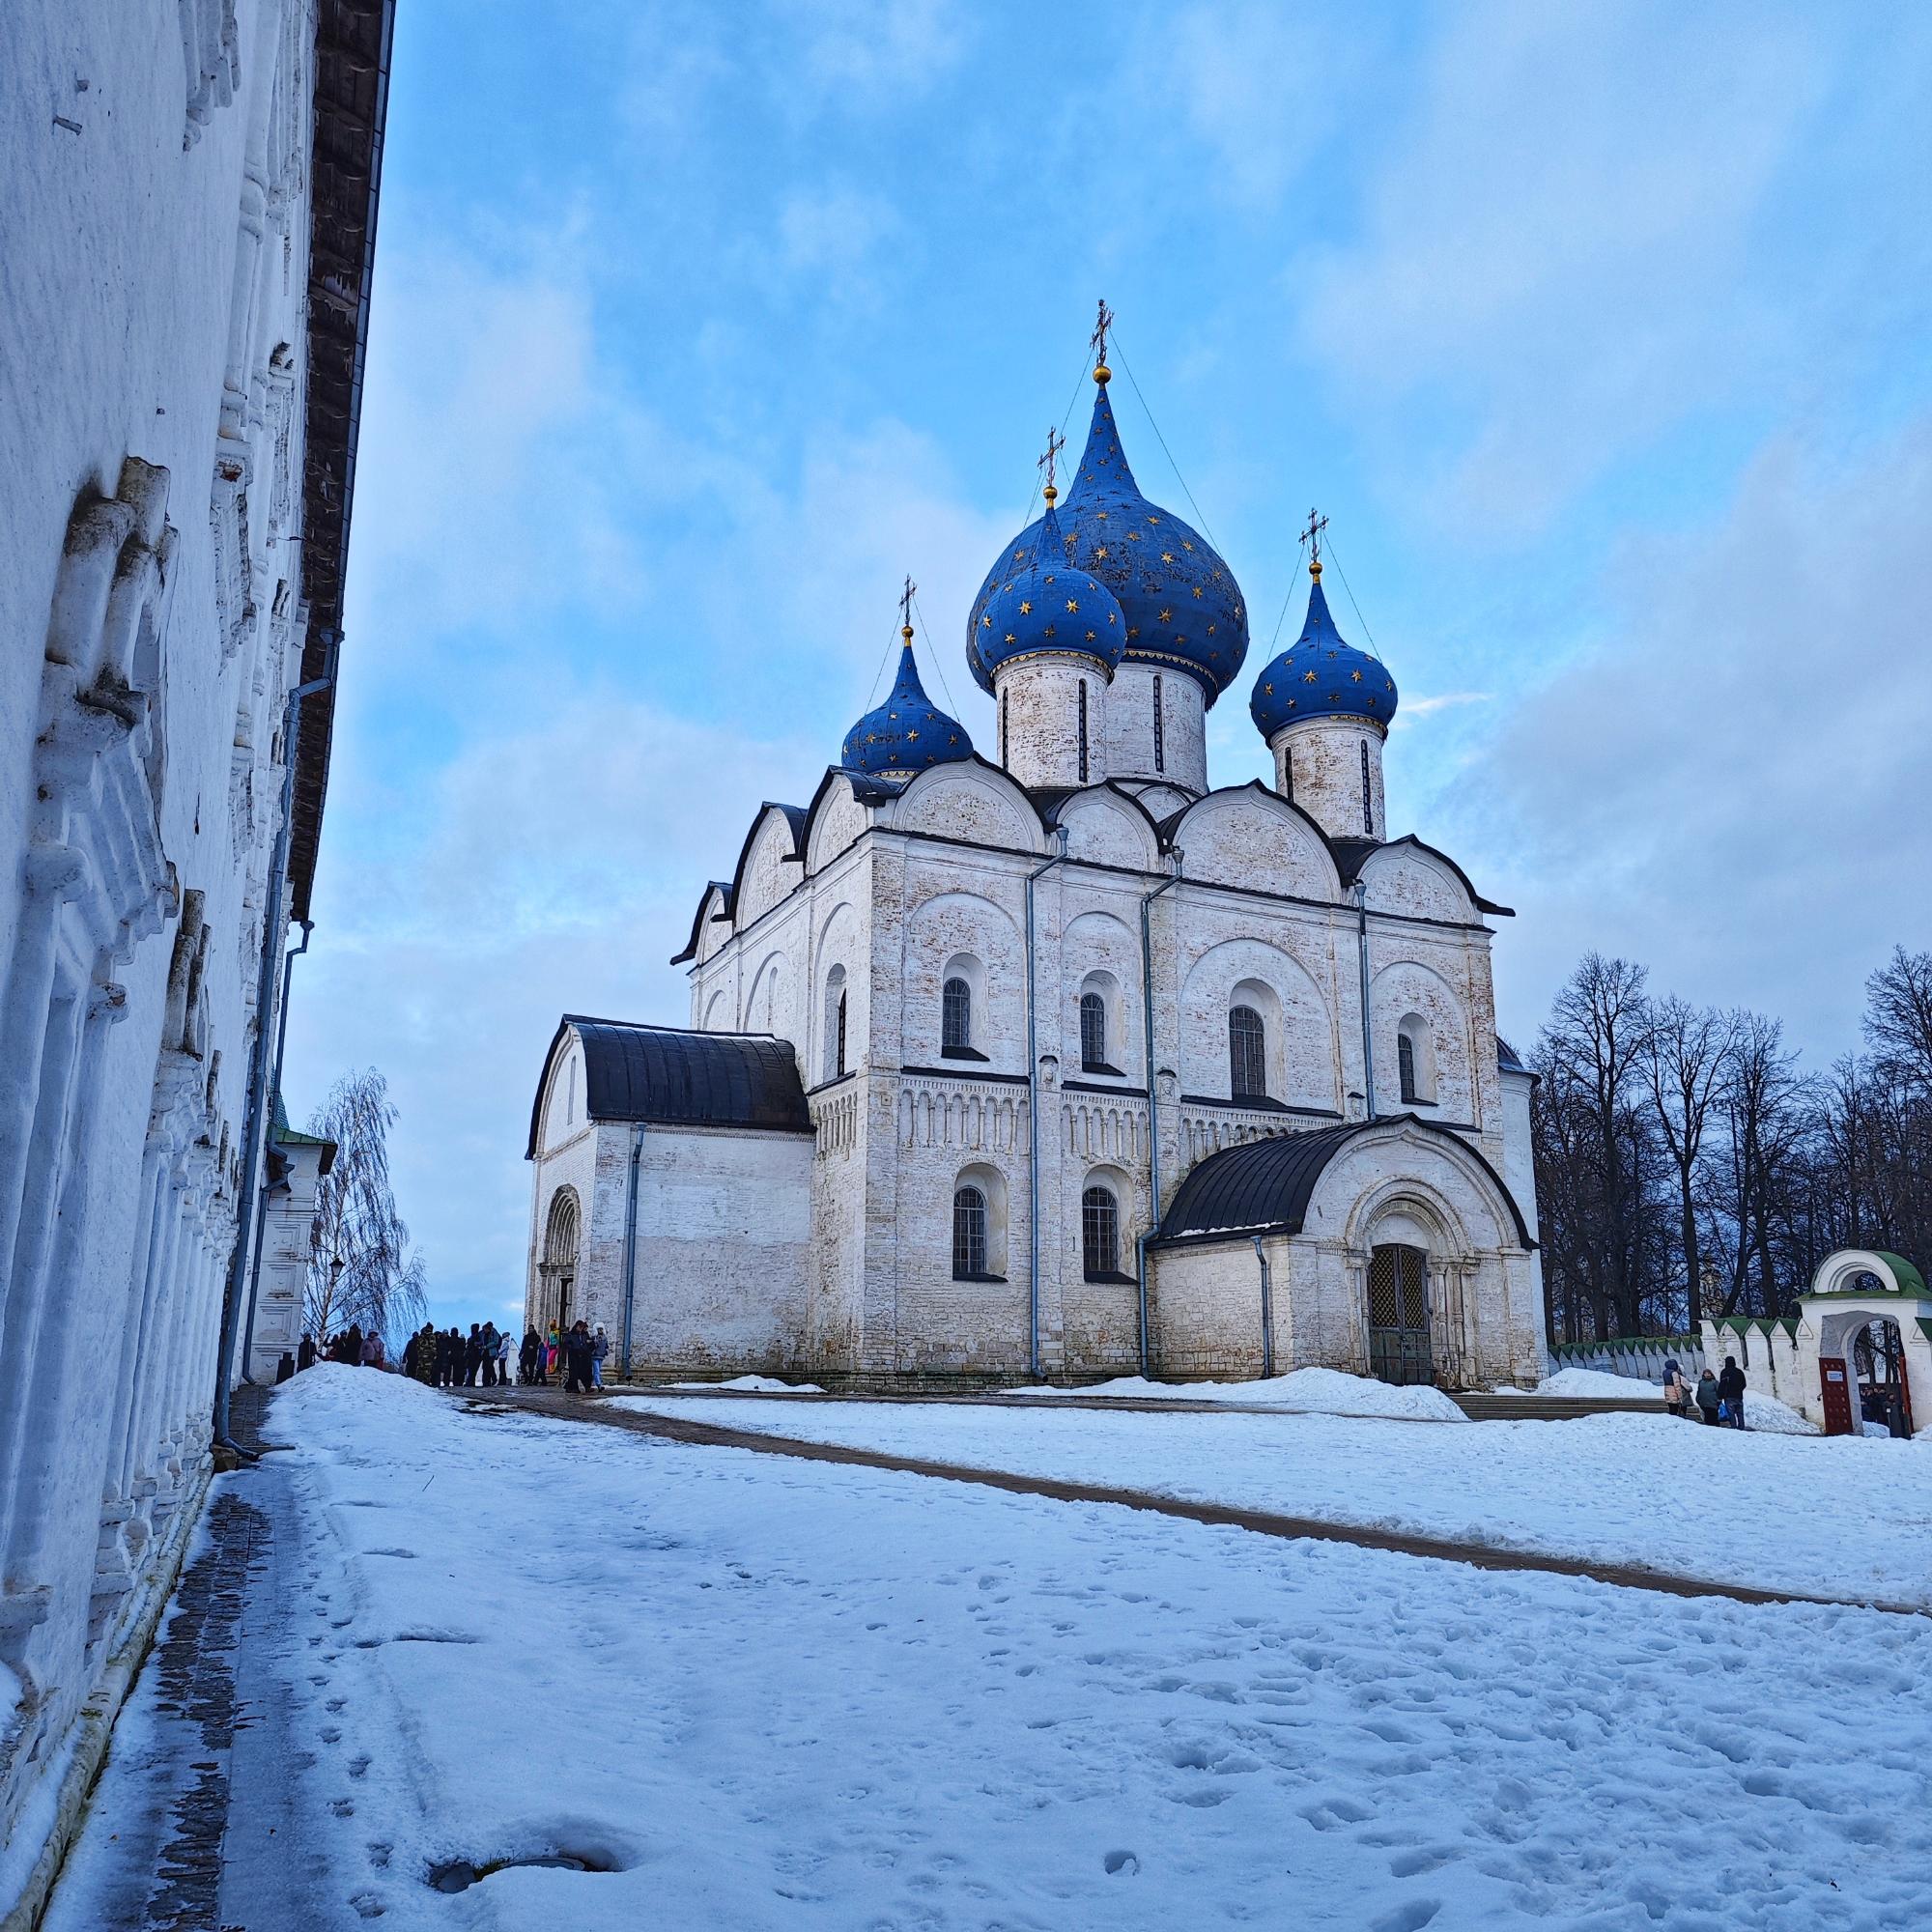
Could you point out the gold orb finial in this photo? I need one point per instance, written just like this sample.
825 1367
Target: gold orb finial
1051 493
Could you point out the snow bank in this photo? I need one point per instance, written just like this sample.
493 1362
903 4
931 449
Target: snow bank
755 1385
1317 1391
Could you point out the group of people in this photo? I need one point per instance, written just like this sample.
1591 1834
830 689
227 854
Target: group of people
350 1346
1716 1398
448 1358
577 1353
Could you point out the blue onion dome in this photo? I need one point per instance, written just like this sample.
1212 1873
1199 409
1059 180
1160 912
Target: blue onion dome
907 732
1321 676
1180 605
1048 605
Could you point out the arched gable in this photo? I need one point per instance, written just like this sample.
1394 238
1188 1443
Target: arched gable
1251 837
555 1085
971 801
1300 1050
1430 1179
1109 827
1399 988
710 924
1409 878
947 926
836 817
1100 951
768 869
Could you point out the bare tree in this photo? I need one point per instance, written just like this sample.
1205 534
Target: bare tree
1898 1018
360 1270
1688 1054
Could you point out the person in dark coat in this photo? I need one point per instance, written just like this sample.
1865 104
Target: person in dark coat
442 1363
577 1358
305 1355
412 1349
529 1357
1731 1392
488 1354
352 1346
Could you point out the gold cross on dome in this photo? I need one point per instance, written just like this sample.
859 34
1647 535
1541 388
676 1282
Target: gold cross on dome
1054 443
1103 321
906 596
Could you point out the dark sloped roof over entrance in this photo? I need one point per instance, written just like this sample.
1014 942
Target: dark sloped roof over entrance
1264 1186
672 1077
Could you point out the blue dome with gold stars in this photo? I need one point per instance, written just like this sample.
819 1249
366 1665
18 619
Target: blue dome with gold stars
1048 605
1180 603
907 732
1321 676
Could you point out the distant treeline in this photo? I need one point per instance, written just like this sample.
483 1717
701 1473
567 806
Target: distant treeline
1685 1166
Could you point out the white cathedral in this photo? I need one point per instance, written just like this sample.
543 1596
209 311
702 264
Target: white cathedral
1066 1065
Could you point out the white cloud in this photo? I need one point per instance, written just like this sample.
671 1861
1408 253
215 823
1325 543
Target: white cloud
1550 267
1410 709
832 232
1732 787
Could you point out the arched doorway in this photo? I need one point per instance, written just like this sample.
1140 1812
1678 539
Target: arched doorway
1398 1350
1877 1354
556 1275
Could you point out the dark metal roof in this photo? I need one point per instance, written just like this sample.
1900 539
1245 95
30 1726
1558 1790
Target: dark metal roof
1508 1059
1265 1186
670 1076
352 39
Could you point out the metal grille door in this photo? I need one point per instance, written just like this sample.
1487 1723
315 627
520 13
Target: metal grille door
1399 1316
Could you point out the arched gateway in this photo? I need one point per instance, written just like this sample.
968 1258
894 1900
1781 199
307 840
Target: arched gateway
1392 1248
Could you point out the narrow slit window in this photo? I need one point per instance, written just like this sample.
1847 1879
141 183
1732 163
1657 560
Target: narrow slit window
1159 728
1004 696
969 1233
1287 774
1092 1033
839 1043
1247 1054
1082 730
1100 1233
955 1016
1368 816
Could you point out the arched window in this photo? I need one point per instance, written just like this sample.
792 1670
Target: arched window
1247 1054
956 1016
1415 1062
1094 1034
969 1235
834 1050
1099 1234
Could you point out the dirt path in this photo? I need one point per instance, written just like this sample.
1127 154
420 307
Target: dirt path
1262 1523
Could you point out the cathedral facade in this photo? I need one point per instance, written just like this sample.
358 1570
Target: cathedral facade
1063 1063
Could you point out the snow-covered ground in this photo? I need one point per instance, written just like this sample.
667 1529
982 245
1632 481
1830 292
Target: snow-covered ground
783 1695
1761 1411
1836 1516
1317 1391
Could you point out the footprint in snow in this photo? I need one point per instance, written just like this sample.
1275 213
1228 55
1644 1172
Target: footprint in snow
1118 1862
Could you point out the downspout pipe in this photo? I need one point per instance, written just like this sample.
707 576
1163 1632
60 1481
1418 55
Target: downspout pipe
1153 1102
268 988
289 960
630 1240
1368 1038
1032 1113
1268 1311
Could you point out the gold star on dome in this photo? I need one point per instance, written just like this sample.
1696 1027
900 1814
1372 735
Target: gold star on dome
1019 556
1308 677
1110 619
1197 591
1185 545
1154 520
1167 557
1026 607
1267 690
1101 513
910 735
1133 536
1010 638
1102 553
1165 617
1073 603
1356 675
985 623
1049 577
1091 636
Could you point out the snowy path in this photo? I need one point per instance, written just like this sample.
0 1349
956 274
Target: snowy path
780 1694
1624 1491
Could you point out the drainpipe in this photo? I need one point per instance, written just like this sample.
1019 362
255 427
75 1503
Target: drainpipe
289 960
630 1239
1154 1105
1268 1311
1032 1116
267 986
1367 1043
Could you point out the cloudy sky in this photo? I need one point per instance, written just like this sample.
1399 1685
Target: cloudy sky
1600 332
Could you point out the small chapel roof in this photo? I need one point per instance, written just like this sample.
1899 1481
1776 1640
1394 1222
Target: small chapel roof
672 1076
1264 1186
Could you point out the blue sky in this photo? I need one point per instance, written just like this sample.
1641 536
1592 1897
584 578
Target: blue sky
1600 333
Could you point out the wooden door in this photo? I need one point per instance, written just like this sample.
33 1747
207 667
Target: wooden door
1836 1382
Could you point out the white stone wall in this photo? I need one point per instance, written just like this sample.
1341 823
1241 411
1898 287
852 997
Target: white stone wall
152 283
287 1218
1039 703
1180 757
1317 763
